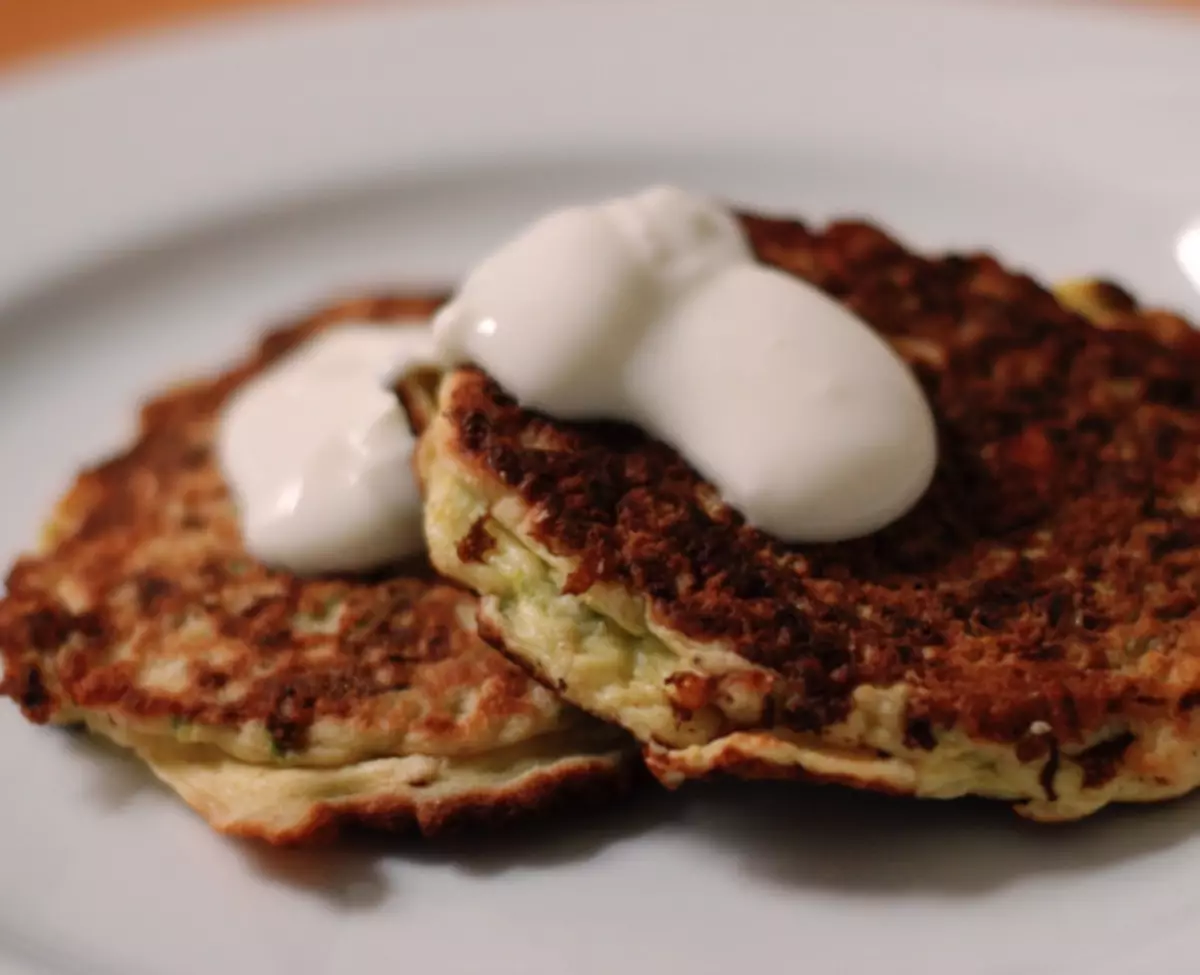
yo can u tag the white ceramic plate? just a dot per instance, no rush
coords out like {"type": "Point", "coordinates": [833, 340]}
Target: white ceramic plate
{"type": "Point", "coordinates": [161, 202]}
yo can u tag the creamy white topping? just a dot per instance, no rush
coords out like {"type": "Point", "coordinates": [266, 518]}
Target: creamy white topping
{"type": "Point", "coordinates": [317, 453]}
{"type": "Point", "coordinates": [651, 309]}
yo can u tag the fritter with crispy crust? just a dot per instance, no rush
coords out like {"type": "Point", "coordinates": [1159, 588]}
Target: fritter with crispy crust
{"type": "Point", "coordinates": [279, 707]}
{"type": "Point", "coordinates": [1028, 632]}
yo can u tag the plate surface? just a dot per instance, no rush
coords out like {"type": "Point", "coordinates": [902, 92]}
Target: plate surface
{"type": "Point", "coordinates": [163, 201]}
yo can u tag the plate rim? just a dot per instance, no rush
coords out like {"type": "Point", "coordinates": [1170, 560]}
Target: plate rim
{"type": "Point", "coordinates": [53, 142]}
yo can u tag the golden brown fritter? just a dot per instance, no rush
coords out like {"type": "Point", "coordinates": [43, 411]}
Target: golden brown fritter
{"type": "Point", "coordinates": [144, 617]}
{"type": "Point", "coordinates": [1027, 632]}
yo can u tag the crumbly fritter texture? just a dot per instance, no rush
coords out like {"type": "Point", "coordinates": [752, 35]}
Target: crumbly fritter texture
{"type": "Point", "coordinates": [144, 617]}
{"type": "Point", "coordinates": [1039, 602]}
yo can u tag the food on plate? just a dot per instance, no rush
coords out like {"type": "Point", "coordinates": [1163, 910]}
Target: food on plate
{"type": "Point", "coordinates": [771, 501]}
{"type": "Point", "coordinates": [280, 706]}
{"type": "Point", "coordinates": [1023, 627]}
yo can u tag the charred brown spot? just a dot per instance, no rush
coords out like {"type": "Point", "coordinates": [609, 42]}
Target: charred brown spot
{"type": "Point", "coordinates": [1032, 747]}
{"type": "Point", "coordinates": [49, 628]}
{"type": "Point", "coordinates": [477, 544]}
{"type": "Point", "coordinates": [690, 691]}
{"type": "Point", "coordinates": [290, 719]}
{"type": "Point", "coordinates": [33, 696]}
{"type": "Point", "coordinates": [1050, 771]}
{"type": "Point", "coordinates": [212, 680]}
{"type": "Point", "coordinates": [918, 733]}
{"type": "Point", "coordinates": [1114, 298]}
{"type": "Point", "coordinates": [1101, 761]}
{"type": "Point", "coordinates": [1059, 609]}
{"type": "Point", "coordinates": [436, 643]}
{"type": "Point", "coordinates": [151, 591]}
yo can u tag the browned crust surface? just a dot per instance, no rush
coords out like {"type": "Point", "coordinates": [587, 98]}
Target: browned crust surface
{"type": "Point", "coordinates": [145, 609]}
{"type": "Point", "coordinates": [1051, 573]}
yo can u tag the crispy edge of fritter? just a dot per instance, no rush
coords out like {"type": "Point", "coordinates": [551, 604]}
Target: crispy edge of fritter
{"type": "Point", "coordinates": [434, 796]}
{"type": "Point", "coordinates": [474, 527]}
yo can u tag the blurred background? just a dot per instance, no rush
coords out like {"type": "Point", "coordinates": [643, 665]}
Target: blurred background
{"type": "Point", "coordinates": [32, 28]}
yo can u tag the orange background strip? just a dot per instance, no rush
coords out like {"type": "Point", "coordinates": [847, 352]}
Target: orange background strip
{"type": "Point", "coordinates": [29, 28]}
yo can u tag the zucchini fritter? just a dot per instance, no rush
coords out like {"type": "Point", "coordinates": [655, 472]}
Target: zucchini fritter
{"type": "Point", "coordinates": [279, 707]}
{"type": "Point", "coordinates": [1028, 632]}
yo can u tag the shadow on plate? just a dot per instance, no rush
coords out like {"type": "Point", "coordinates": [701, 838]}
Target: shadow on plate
{"type": "Point", "coordinates": [787, 834]}
{"type": "Point", "coordinates": [347, 879]}
{"type": "Point", "coordinates": [353, 874]}
{"type": "Point", "coordinates": [865, 844]}
{"type": "Point", "coordinates": [553, 840]}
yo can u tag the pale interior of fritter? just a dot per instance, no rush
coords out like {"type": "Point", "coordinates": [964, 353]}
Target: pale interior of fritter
{"type": "Point", "coordinates": [606, 653]}
{"type": "Point", "coordinates": [284, 805]}
{"type": "Point", "coordinates": [617, 671]}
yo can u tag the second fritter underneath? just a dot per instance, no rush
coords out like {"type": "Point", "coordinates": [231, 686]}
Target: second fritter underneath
{"type": "Point", "coordinates": [1028, 632]}
{"type": "Point", "coordinates": [279, 707]}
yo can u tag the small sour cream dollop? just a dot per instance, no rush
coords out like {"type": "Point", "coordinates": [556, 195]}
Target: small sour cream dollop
{"type": "Point", "coordinates": [317, 453]}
